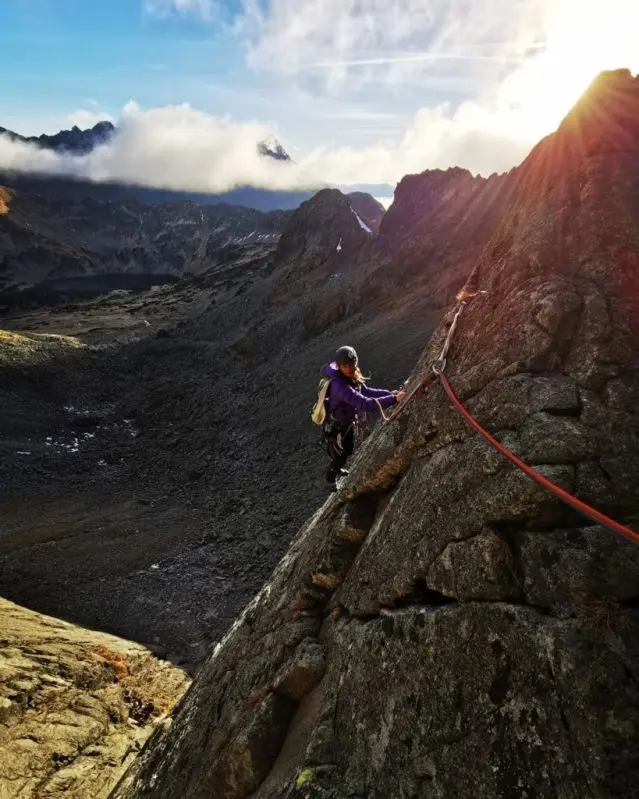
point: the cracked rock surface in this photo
(75, 705)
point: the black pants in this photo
(340, 442)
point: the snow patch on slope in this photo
(362, 224)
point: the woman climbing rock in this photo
(348, 395)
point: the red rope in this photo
(575, 503)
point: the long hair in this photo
(358, 377)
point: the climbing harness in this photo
(333, 437)
(438, 369)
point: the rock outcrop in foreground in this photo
(75, 705)
(442, 627)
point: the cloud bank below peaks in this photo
(185, 149)
(173, 147)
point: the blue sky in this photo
(356, 90)
(69, 54)
(95, 55)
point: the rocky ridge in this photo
(441, 626)
(46, 243)
(75, 141)
(370, 210)
(470, 208)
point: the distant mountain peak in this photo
(273, 149)
(104, 125)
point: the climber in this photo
(348, 395)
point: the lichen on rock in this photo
(75, 705)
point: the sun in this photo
(583, 38)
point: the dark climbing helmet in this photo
(345, 355)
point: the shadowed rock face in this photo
(320, 230)
(437, 225)
(443, 627)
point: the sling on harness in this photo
(330, 436)
(319, 414)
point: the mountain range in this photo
(57, 247)
(73, 141)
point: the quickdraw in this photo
(438, 368)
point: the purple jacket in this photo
(346, 397)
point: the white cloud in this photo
(176, 147)
(20, 157)
(358, 42)
(514, 67)
(164, 8)
(343, 45)
(437, 137)
(181, 147)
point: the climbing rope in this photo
(438, 369)
(577, 504)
